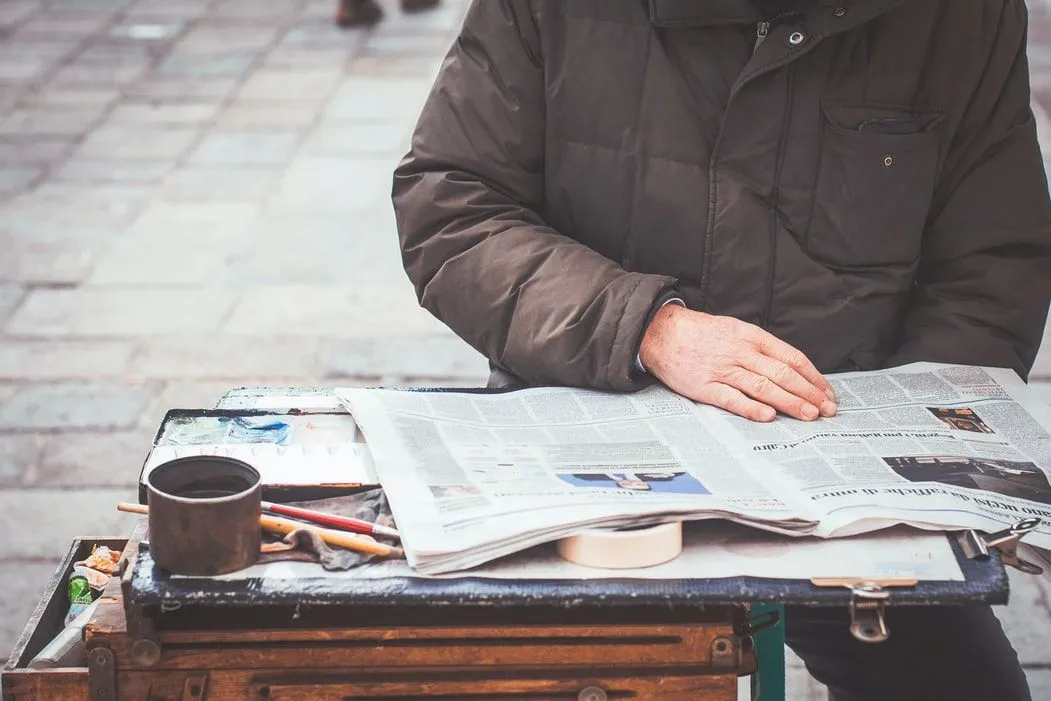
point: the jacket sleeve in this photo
(984, 280)
(468, 199)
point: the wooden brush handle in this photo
(274, 524)
(340, 539)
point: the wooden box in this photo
(397, 654)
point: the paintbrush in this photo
(284, 526)
(343, 523)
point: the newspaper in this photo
(473, 477)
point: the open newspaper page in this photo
(471, 477)
(936, 446)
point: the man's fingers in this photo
(790, 380)
(734, 401)
(796, 359)
(765, 390)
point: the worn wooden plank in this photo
(294, 685)
(362, 657)
(653, 634)
(46, 685)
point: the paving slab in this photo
(19, 455)
(362, 139)
(184, 114)
(1027, 617)
(13, 12)
(115, 311)
(94, 170)
(339, 184)
(231, 358)
(48, 120)
(153, 143)
(236, 148)
(207, 183)
(10, 296)
(378, 99)
(20, 599)
(74, 406)
(246, 115)
(353, 312)
(42, 151)
(292, 85)
(70, 513)
(61, 255)
(112, 459)
(409, 359)
(63, 360)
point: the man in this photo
(733, 197)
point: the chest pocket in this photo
(874, 186)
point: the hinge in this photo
(976, 545)
(102, 675)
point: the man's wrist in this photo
(670, 297)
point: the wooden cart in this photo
(311, 653)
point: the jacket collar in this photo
(700, 13)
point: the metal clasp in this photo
(867, 622)
(976, 546)
(867, 603)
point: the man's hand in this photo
(733, 365)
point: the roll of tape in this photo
(624, 549)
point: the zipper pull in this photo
(761, 30)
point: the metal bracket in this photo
(867, 622)
(757, 624)
(102, 675)
(195, 688)
(976, 546)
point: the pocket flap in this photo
(881, 119)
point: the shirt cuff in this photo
(639, 367)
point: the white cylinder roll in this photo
(623, 549)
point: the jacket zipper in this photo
(761, 31)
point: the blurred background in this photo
(194, 196)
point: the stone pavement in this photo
(193, 197)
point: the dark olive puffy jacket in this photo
(862, 179)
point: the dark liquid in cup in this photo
(213, 487)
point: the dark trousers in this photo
(933, 654)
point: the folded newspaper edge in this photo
(473, 477)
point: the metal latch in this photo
(102, 675)
(976, 545)
(867, 603)
(867, 622)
